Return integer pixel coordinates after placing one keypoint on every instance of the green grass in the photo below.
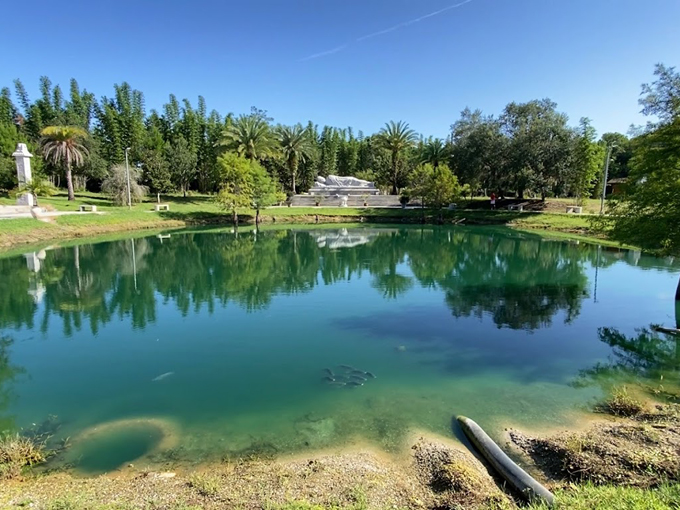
(206, 485)
(591, 497)
(203, 210)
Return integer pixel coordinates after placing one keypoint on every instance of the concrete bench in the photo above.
(161, 207)
(88, 207)
(574, 209)
(516, 207)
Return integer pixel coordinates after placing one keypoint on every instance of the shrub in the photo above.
(16, 452)
(115, 185)
(621, 404)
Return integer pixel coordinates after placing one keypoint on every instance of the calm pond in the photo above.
(197, 346)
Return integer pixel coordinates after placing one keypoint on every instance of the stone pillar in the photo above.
(23, 158)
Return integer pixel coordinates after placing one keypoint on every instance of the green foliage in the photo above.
(436, 187)
(182, 163)
(435, 152)
(265, 192)
(647, 214)
(397, 138)
(539, 143)
(249, 136)
(236, 191)
(296, 147)
(38, 187)
(62, 146)
(116, 185)
(16, 452)
(156, 171)
(588, 156)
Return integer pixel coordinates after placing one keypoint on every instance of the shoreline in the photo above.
(24, 234)
(429, 471)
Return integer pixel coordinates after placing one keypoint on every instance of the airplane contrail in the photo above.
(385, 31)
(324, 53)
(413, 21)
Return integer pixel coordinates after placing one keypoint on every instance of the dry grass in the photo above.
(621, 404)
(641, 451)
(16, 452)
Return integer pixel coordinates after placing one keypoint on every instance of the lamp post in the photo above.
(606, 176)
(127, 172)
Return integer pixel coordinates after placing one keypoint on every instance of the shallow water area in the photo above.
(285, 341)
(113, 448)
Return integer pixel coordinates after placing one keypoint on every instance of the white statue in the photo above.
(342, 182)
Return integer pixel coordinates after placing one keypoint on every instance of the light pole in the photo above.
(606, 176)
(127, 172)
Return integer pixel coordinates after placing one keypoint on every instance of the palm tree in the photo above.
(296, 146)
(61, 146)
(396, 137)
(435, 152)
(249, 136)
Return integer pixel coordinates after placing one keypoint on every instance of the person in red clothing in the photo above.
(493, 200)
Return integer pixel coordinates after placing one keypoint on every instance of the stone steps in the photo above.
(16, 211)
(352, 201)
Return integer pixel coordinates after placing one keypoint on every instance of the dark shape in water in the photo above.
(370, 375)
(337, 384)
(358, 378)
(329, 372)
(328, 379)
(358, 372)
(354, 384)
(346, 367)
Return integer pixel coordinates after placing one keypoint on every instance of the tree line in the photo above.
(530, 148)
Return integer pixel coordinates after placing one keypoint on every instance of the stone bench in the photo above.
(87, 207)
(574, 209)
(161, 207)
(516, 207)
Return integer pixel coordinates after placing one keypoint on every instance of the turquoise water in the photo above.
(217, 342)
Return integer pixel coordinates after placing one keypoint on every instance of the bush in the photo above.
(17, 452)
(205, 485)
(621, 404)
(115, 185)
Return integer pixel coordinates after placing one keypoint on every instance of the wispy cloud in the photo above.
(324, 53)
(385, 31)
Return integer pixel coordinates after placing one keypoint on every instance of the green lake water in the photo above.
(203, 345)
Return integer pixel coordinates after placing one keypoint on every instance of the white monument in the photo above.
(23, 158)
(335, 185)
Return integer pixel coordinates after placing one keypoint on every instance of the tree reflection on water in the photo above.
(520, 281)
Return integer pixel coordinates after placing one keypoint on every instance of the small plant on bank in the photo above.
(37, 188)
(16, 452)
(206, 485)
(621, 404)
(403, 200)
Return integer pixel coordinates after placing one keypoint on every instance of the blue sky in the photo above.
(590, 56)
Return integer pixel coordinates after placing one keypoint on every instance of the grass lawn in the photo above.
(607, 497)
(202, 210)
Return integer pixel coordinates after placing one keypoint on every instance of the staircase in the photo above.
(352, 201)
(15, 211)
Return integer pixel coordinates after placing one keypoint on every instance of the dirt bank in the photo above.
(641, 450)
(434, 475)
